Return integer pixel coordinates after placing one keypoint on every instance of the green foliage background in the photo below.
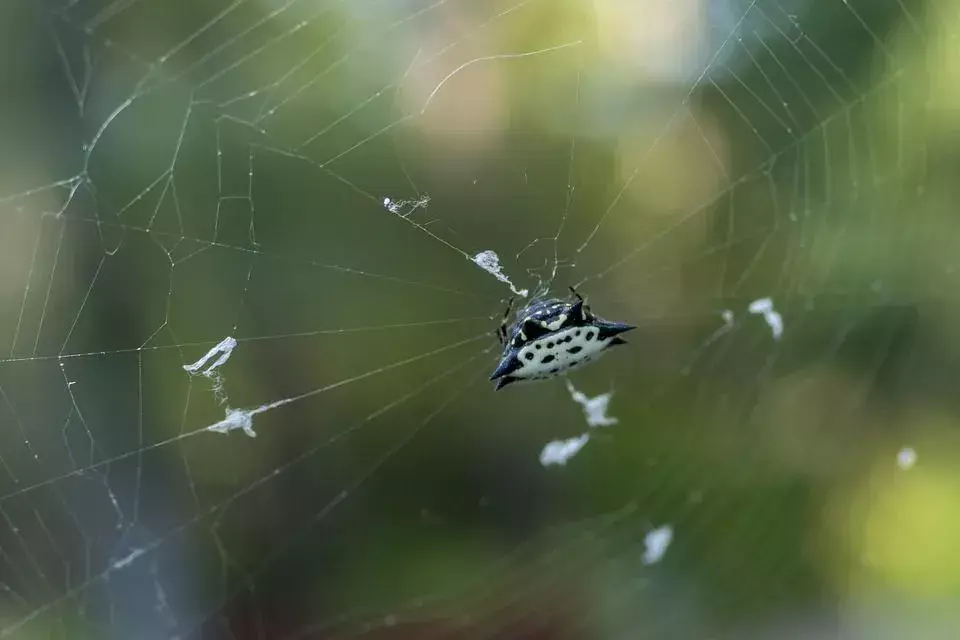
(174, 173)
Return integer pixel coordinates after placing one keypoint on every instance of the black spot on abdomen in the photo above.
(547, 359)
(529, 356)
(574, 349)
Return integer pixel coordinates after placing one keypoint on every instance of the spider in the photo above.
(550, 337)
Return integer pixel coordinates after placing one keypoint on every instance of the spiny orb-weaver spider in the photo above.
(550, 337)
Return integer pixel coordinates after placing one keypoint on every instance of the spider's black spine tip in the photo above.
(609, 329)
(507, 365)
(502, 382)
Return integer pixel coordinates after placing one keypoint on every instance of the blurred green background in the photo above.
(312, 178)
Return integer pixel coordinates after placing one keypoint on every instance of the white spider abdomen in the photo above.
(549, 338)
(558, 352)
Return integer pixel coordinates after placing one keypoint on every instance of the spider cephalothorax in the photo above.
(550, 337)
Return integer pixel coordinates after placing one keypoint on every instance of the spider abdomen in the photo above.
(558, 352)
(552, 337)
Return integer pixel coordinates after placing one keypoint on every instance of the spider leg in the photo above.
(584, 310)
(502, 329)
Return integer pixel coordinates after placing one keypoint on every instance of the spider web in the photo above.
(254, 254)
